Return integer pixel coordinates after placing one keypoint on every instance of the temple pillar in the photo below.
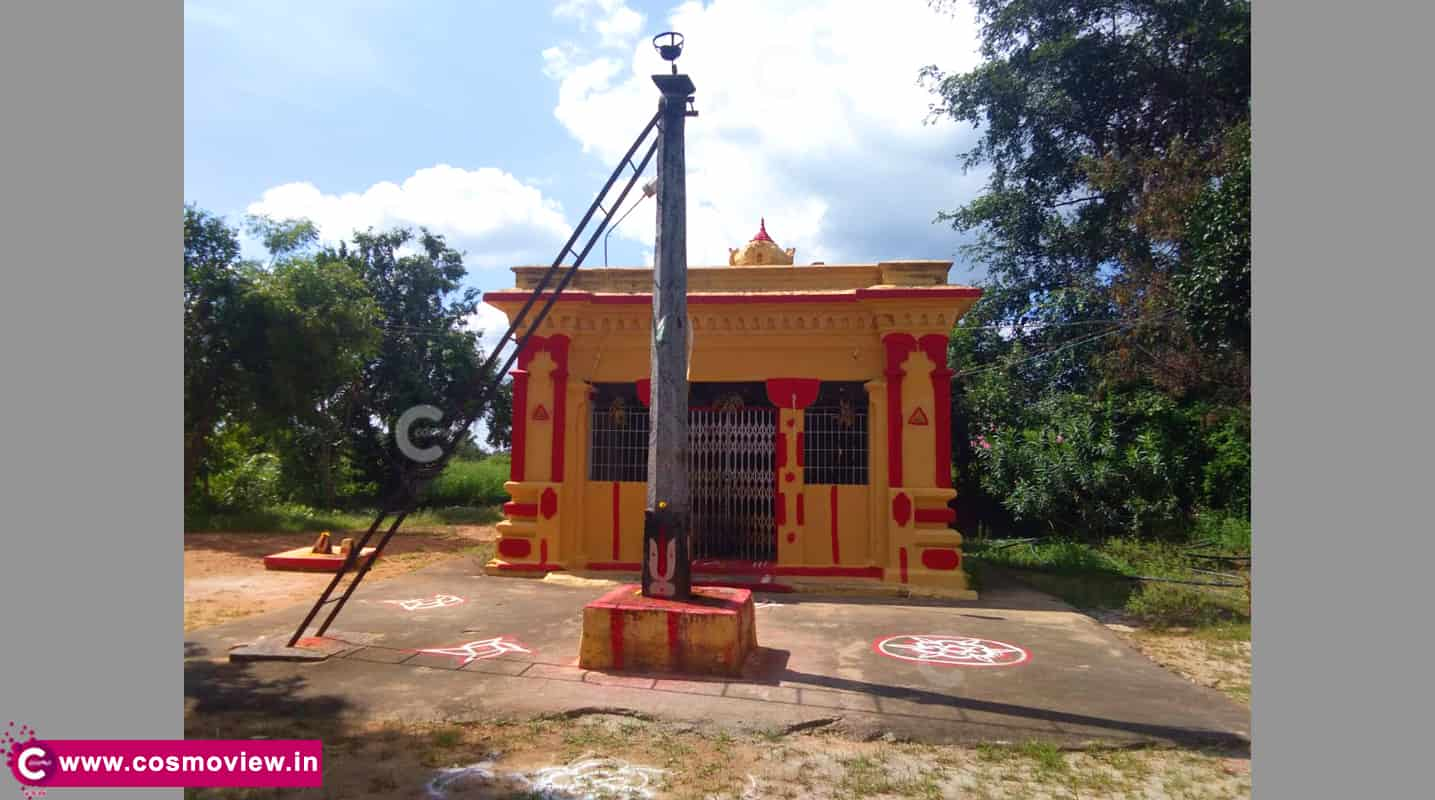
(792, 396)
(531, 539)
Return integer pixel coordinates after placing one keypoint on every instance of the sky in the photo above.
(496, 123)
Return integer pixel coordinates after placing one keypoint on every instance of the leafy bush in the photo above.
(254, 482)
(1228, 534)
(1092, 467)
(1226, 476)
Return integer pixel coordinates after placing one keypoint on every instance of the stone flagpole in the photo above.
(667, 568)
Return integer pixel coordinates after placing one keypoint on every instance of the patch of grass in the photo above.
(470, 483)
(294, 518)
(1047, 756)
(1175, 606)
(447, 737)
(1102, 575)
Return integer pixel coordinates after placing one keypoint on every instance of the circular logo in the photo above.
(33, 763)
(950, 651)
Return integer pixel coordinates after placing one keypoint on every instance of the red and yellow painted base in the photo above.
(304, 559)
(711, 635)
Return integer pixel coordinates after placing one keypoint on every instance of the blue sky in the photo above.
(495, 123)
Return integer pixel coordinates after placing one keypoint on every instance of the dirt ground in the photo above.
(225, 578)
(605, 755)
(1211, 660)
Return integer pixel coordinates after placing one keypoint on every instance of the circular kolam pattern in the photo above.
(950, 651)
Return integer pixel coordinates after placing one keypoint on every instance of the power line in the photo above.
(1067, 346)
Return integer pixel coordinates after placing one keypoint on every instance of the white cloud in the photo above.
(491, 323)
(615, 23)
(496, 219)
(809, 115)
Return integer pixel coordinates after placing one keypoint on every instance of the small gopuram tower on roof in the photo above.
(762, 251)
(819, 423)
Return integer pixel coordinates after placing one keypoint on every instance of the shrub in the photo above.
(1093, 467)
(253, 483)
(470, 483)
(1174, 605)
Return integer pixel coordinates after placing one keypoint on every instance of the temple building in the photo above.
(819, 424)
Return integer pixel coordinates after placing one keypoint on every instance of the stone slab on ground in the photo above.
(1015, 665)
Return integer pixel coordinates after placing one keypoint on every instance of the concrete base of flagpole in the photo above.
(713, 634)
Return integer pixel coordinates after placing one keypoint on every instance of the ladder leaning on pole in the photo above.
(413, 477)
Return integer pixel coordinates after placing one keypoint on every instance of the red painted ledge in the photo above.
(731, 298)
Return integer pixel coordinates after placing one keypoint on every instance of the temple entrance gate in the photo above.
(732, 484)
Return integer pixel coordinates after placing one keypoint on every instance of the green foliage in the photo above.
(300, 518)
(1091, 467)
(253, 483)
(1103, 378)
(1226, 472)
(1100, 574)
(470, 483)
(309, 359)
(1214, 282)
(1173, 606)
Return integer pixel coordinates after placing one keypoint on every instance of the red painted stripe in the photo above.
(768, 568)
(520, 509)
(617, 519)
(935, 515)
(780, 450)
(518, 438)
(902, 561)
(675, 648)
(800, 515)
(779, 509)
(729, 298)
(515, 548)
(832, 510)
(904, 293)
(939, 558)
(615, 566)
(543, 551)
(557, 346)
(615, 634)
(898, 345)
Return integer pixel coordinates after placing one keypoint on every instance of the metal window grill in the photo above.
(835, 444)
(618, 444)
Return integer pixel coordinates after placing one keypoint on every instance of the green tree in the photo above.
(319, 329)
(1101, 122)
(426, 354)
(216, 315)
(1114, 230)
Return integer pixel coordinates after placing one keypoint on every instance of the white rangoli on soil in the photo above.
(427, 603)
(603, 777)
(481, 649)
(592, 777)
(963, 651)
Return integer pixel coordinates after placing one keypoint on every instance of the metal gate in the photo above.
(731, 483)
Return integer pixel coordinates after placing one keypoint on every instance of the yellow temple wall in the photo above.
(893, 530)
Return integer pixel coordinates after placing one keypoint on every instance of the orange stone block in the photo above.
(713, 634)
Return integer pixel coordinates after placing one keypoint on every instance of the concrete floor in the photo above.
(817, 665)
